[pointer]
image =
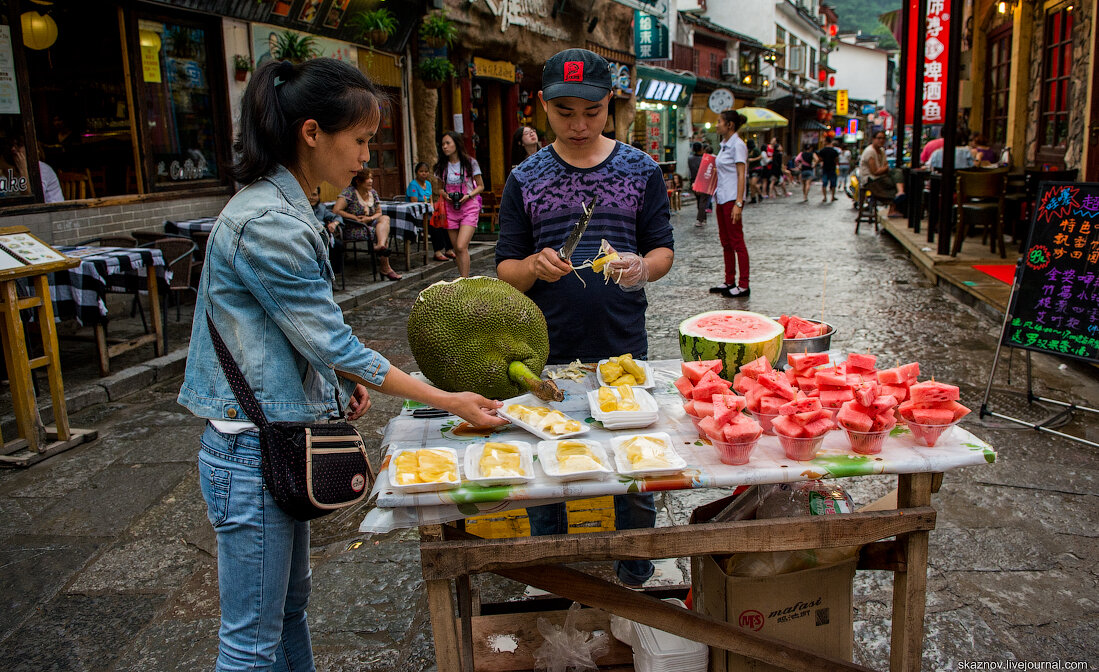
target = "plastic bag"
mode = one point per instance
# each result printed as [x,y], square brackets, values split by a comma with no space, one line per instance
[807,498]
[567,649]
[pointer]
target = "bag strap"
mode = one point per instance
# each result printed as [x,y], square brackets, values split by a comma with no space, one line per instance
[241,390]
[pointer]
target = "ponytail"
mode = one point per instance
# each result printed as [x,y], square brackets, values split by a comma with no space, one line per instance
[283,96]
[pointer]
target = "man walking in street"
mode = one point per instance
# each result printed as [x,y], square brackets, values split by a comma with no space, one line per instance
[544,197]
[702,199]
[829,159]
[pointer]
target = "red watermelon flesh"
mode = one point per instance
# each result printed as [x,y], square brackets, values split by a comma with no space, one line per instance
[710,427]
[703,409]
[757,366]
[802,404]
[899,392]
[883,422]
[883,403]
[819,426]
[865,394]
[784,424]
[892,376]
[805,383]
[791,377]
[724,412]
[932,416]
[770,404]
[931,391]
[809,416]
[805,361]
[684,386]
[831,378]
[689,408]
[709,385]
[834,398]
[733,401]
[861,362]
[753,396]
[695,370]
[957,409]
[911,370]
[742,432]
[777,384]
[852,417]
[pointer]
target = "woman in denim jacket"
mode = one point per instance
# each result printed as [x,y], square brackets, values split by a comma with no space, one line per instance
[265,285]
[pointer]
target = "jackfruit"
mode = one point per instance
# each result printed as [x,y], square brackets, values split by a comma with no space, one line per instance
[500,460]
[426,466]
[573,456]
[481,335]
[646,452]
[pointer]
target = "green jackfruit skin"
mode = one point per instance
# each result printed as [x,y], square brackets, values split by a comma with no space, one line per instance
[464,333]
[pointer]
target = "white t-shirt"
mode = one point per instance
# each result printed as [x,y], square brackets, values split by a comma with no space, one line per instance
[51,186]
[454,176]
[845,157]
[732,152]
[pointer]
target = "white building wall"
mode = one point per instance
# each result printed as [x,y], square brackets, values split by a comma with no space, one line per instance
[860,70]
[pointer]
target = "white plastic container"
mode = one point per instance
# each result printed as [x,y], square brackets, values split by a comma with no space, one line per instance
[676,463]
[658,651]
[473,465]
[547,457]
[423,487]
[648,384]
[647,413]
[531,400]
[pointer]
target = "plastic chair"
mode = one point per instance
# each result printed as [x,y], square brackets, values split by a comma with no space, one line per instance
[178,254]
[981,195]
[490,205]
[120,240]
[360,234]
[76,186]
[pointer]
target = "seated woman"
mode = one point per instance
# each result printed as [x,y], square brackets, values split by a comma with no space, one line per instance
[421,190]
[360,208]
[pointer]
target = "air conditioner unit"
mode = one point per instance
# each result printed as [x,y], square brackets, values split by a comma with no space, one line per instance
[795,58]
[730,67]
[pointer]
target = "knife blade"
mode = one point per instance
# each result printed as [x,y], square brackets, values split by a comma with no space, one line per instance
[565,253]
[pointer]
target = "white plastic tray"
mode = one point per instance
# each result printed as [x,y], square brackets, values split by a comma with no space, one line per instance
[648,384]
[677,463]
[531,400]
[547,457]
[648,414]
[423,487]
[473,465]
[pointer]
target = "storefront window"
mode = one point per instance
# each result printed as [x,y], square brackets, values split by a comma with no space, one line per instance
[385,148]
[174,83]
[1057,66]
[997,85]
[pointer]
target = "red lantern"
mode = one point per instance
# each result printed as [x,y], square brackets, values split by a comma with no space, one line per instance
[833,29]
[831,81]
[822,75]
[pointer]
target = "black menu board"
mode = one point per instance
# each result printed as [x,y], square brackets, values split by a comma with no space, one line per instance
[1056,304]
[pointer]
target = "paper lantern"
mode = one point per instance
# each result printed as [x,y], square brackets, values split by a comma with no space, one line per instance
[149,39]
[39,30]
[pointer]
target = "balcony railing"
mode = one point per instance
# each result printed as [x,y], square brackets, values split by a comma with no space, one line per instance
[683,58]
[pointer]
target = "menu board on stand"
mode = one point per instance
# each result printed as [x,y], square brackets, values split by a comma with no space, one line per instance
[1054,306]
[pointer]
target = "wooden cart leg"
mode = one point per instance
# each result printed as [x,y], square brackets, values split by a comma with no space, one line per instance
[154,311]
[465,613]
[441,607]
[101,350]
[910,586]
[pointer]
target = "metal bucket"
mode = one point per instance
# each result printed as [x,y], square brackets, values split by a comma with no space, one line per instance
[799,345]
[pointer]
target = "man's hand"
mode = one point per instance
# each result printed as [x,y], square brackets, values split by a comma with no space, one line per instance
[360,402]
[548,266]
[629,271]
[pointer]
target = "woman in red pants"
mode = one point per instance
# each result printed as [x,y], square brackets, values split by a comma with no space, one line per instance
[732,165]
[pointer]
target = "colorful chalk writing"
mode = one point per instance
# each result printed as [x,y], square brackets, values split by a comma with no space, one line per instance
[1056,304]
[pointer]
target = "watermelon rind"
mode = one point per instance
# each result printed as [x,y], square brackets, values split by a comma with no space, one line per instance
[696,344]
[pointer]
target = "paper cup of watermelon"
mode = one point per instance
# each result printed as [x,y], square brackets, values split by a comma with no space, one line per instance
[867,443]
[798,448]
[814,344]
[764,420]
[928,434]
[736,453]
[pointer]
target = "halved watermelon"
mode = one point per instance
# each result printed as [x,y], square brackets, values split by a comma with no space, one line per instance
[736,337]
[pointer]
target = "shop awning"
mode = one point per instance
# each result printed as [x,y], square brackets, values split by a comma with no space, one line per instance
[661,84]
[760,118]
[811,125]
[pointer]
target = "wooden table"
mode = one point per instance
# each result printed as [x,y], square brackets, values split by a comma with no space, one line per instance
[450,555]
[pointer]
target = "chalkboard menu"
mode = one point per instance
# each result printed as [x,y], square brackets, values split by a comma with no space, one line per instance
[1056,303]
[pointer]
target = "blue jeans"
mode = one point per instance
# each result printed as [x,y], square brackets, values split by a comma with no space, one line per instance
[263,561]
[630,512]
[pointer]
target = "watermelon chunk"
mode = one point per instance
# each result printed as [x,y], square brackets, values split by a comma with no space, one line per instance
[898,392]
[770,404]
[853,419]
[820,426]
[711,428]
[892,376]
[957,409]
[805,361]
[861,362]
[802,404]
[695,370]
[741,432]
[883,422]
[833,398]
[726,406]
[805,383]
[931,391]
[753,396]
[883,403]
[689,408]
[932,416]
[809,416]
[783,424]
[831,378]
[777,384]
[704,408]
[734,401]
[709,385]
[865,394]
[742,383]
[910,370]
[684,385]
[757,366]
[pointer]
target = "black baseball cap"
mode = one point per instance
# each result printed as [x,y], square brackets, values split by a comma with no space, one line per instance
[576,73]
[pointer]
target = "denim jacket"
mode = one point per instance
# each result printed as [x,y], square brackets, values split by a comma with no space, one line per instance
[266,285]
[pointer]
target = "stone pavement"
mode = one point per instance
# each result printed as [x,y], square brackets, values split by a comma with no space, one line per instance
[110,562]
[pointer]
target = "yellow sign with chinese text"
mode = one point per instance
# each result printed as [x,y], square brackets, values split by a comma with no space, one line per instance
[150,64]
[841,101]
[495,69]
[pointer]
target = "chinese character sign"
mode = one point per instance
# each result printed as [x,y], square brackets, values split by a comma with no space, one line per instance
[932,56]
[841,102]
[650,36]
[1056,305]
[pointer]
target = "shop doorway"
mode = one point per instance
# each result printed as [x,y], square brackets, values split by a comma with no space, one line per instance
[1091,165]
[387,166]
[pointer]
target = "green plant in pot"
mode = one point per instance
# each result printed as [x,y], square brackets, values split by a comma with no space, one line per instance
[296,48]
[435,71]
[242,65]
[438,30]
[375,26]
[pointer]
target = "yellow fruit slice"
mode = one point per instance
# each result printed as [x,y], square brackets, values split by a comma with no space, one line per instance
[599,262]
[633,368]
[610,371]
[625,379]
[646,452]
[500,460]
[607,401]
[628,401]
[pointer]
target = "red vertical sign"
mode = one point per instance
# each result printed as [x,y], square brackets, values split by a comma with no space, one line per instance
[933,58]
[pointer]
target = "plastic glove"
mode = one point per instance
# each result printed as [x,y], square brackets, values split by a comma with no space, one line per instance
[629,271]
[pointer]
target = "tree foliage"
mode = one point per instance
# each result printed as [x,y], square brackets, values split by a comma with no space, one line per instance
[862,15]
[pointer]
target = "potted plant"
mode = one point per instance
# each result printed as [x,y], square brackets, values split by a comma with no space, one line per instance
[375,26]
[296,48]
[242,65]
[435,71]
[437,30]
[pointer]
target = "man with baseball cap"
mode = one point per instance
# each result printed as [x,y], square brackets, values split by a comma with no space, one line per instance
[588,319]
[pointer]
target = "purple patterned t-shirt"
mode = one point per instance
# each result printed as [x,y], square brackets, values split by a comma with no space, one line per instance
[542,201]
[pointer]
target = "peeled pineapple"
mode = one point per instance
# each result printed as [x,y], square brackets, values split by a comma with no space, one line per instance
[426,466]
[622,370]
[500,460]
[573,456]
[646,452]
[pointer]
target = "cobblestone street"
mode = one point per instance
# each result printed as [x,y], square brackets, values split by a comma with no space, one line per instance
[110,561]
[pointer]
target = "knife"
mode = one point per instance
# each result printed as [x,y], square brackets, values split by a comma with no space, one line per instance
[565,253]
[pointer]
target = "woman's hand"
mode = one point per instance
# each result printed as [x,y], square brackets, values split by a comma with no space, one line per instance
[360,402]
[463,199]
[331,226]
[473,408]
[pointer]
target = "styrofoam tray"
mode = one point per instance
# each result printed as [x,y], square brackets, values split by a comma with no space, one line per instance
[648,414]
[473,465]
[677,463]
[531,400]
[423,487]
[648,384]
[547,457]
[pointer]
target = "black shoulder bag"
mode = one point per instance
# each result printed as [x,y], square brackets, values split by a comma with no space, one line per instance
[310,468]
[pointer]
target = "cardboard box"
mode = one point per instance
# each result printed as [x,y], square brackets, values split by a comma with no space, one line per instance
[810,608]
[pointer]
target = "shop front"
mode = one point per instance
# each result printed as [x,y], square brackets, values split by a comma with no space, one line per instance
[662,97]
